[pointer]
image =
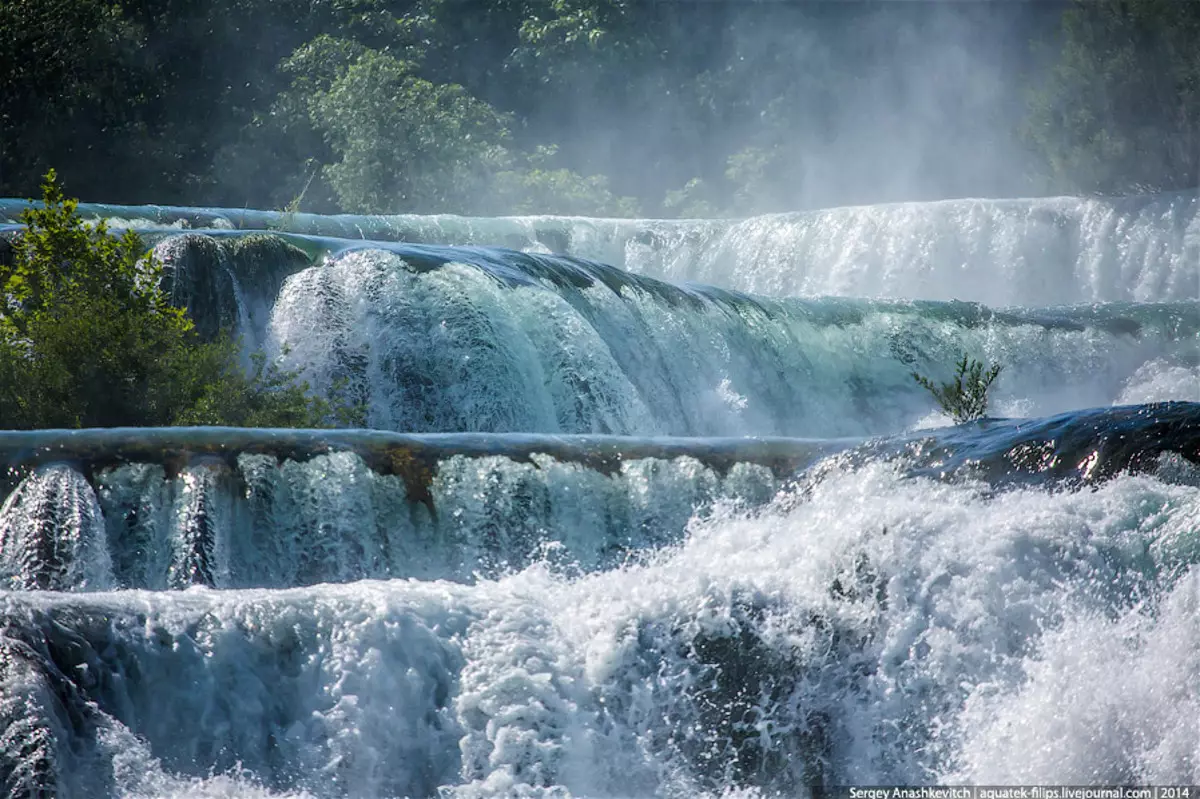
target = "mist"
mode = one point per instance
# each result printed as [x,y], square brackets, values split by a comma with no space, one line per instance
[851,103]
[722,108]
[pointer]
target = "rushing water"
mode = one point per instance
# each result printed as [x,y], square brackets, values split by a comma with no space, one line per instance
[618,536]
[1001,252]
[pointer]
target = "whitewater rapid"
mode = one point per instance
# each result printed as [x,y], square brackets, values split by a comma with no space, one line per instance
[875,630]
[649,509]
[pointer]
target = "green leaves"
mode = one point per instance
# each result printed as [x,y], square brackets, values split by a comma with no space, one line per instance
[403,142]
[407,144]
[441,105]
[59,258]
[965,398]
[88,338]
[1120,110]
[535,187]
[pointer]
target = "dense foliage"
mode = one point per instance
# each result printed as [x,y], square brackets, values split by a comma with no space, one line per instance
[89,339]
[595,106]
[1120,110]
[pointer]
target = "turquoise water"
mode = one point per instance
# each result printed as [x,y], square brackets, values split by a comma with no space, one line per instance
[679,525]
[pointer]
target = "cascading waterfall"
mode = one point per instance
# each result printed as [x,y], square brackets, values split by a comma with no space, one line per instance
[199,530]
[277,514]
[616,536]
[478,339]
[52,534]
[1036,252]
[465,346]
[818,641]
[277,510]
[1002,252]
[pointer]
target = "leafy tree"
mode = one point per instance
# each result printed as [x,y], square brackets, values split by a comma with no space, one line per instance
[692,201]
[1120,110]
[367,104]
[965,398]
[89,339]
[536,188]
[755,174]
[404,143]
[399,142]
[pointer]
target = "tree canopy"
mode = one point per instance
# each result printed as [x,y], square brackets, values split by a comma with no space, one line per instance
[88,338]
[1119,111]
[595,106]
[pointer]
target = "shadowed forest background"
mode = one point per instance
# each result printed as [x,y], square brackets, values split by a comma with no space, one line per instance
[599,107]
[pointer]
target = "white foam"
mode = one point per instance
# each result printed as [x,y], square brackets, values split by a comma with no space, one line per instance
[1158,381]
[1034,252]
[870,629]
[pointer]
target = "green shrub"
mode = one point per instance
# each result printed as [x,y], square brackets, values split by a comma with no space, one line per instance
[965,398]
[88,338]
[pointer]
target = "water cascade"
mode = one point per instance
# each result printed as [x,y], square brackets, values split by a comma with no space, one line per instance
[1035,252]
[647,508]
[438,339]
